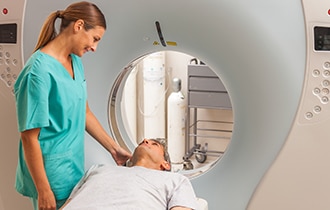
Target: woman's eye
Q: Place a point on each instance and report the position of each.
(96, 39)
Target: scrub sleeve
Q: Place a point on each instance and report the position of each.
(48, 98)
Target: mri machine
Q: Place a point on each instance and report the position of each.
(272, 57)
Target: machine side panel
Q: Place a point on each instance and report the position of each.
(300, 177)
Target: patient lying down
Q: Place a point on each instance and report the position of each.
(145, 185)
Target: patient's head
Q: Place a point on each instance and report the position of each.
(152, 153)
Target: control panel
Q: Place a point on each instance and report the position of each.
(11, 55)
(315, 105)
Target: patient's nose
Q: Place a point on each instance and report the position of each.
(146, 141)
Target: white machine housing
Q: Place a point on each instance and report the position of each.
(264, 52)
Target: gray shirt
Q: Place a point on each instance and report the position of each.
(128, 188)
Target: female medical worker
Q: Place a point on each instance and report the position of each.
(52, 108)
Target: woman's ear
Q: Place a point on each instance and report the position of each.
(78, 25)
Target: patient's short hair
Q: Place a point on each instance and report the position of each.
(163, 142)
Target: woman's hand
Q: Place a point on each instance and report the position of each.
(120, 155)
(46, 200)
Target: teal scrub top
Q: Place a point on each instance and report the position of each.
(47, 97)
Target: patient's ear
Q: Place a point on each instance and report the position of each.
(166, 166)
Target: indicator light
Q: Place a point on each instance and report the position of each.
(5, 11)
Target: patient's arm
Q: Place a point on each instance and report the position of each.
(180, 208)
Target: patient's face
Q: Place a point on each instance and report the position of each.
(150, 149)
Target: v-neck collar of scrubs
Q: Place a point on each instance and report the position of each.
(62, 67)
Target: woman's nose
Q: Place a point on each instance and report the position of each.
(93, 47)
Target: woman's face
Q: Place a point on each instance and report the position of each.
(87, 40)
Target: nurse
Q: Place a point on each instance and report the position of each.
(53, 111)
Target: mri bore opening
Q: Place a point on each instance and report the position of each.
(175, 96)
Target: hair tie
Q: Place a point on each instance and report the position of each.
(58, 14)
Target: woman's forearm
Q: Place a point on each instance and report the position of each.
(34, 160)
